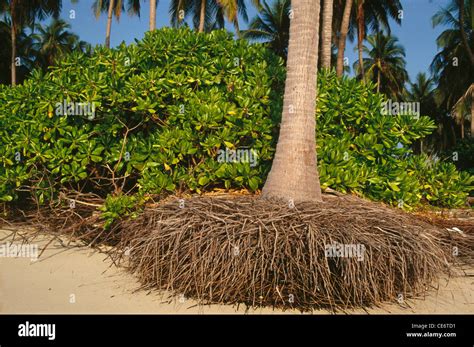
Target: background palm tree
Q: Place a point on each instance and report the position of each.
(373, 15)
(5, 50)
(233, 8)
(272, 24)
(53, 41)
(40, 48)
(385, 64)
(326, 35)
(114, 8)
(24, 13)
(451, 67)
(343, 32)
(422, 90)
(176, 8)
(294, 173)
(24, 51)
(202, 14)
(464, 5)
(153, 5)
(206, 14)
(463, 109)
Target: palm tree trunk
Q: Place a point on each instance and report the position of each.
(472, 113)
(463, 32)
(294, 173)
(109, 23)
(360, 36)
(342, 38)
(444, 140)
(378, 80)
(152, 15)
(326, 34)
(453, 135)
(237, 26)
(13, 39)
(202, 17)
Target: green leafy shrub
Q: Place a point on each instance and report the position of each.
(462, 155)
(440, 183)
(164, 107)
(360, 149)
(120, 206)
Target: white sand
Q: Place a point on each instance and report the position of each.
(82, 280)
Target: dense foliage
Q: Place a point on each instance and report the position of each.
(364, 150)
(163, 108)
(462, 155)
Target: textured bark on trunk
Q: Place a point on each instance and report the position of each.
(444, 140)
(13, 39)
(326, 34)
(202, 17)
(360, 35)
(462, 126)
(152, 15)
(343, 37)
(463, 32)
(294, 174)
(472, 114)
(237, 26)
(109, 23)
(378, 80)
(453, 136)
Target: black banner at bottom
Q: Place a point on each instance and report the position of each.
(135, 330)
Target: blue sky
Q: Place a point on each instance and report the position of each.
(416, 32)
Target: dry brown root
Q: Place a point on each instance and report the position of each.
(268, 253)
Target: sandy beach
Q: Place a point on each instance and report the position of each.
(84, 280)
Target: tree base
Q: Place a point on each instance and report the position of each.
(341, 253)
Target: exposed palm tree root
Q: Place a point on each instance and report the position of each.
(458, 235)
(268, 253)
